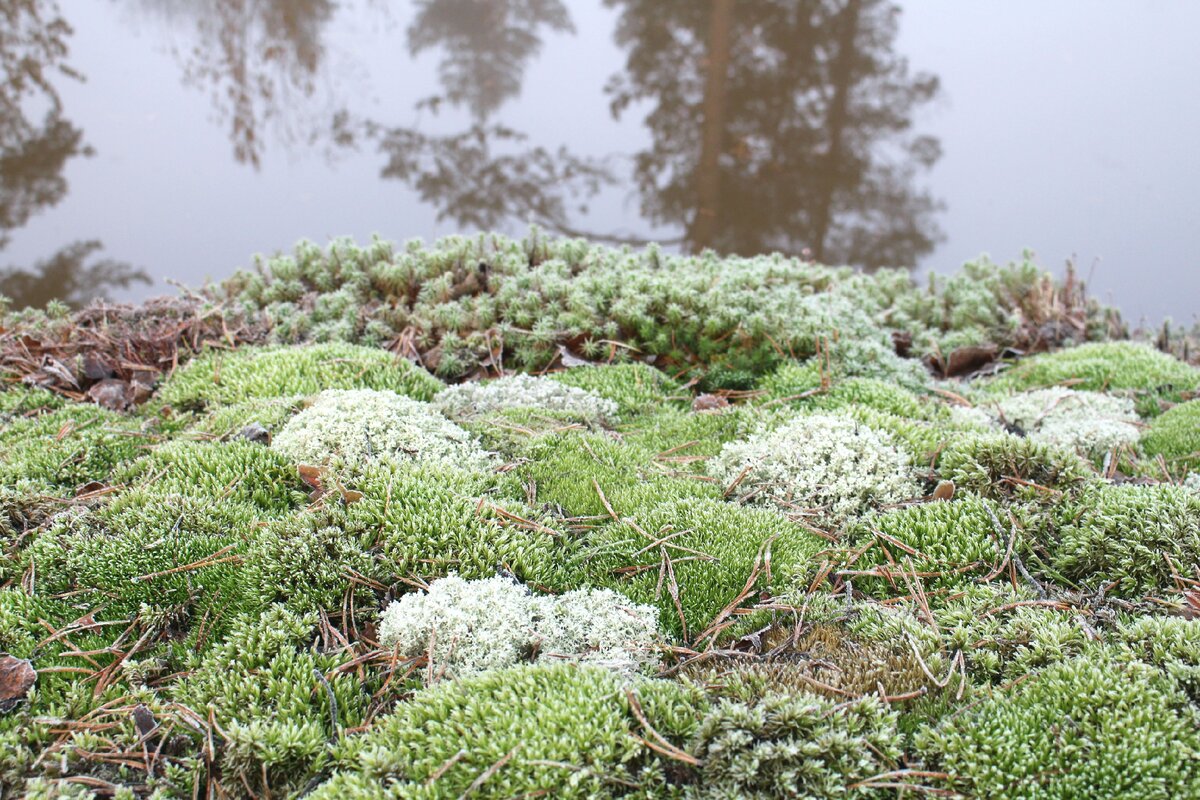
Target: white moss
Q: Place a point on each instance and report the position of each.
(524, 391)
(971, 418)
(1090, 423)
(360, 425)
(467, 626)
(598, 626)
(829, 467)
(471, 626)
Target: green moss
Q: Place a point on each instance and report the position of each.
(1002, 465)
(1176, 437)
(560, 730)
(565, 470)
(1123, 536)
(635, 388)
(799, 745)
(1088, 727)
(427, 523)
(131, 552)
(268, 690)
(1099, 367)
(308, 560)
(226, 421)
(793, 379)
(684, 440)
(941, 544)
(713, 553)
(1005, 633)
(256, 373)
(237, 471)
(67, 448)
(21, 401)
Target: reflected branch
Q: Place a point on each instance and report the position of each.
(66, 276)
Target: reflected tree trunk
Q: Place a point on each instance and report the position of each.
(842, 80)
(703, 228)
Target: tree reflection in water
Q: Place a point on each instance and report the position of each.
(257, 58)
(36, 142)
(775, 125)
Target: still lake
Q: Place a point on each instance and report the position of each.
(180, 137)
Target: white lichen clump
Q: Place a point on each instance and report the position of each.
(828, 468)
(1090, 423)
(360, 425)
(472, 626)
(524, 391)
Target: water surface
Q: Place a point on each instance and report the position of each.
(175, 138)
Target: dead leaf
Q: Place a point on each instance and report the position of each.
(963, 360)
(312, 478)
(111, 393)
(709, 402)
(17, 675)
(944, 490)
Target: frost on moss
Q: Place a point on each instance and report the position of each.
(1176, 437)
(255, 373)
(465, 627)
(1088, 727)
(557, 730)
(355, 426)
(826, 468)
(1100, 367)
(713, 549)
(1087, 422)
(794, 745)
(1002, 465)
(473, 399)
(1133, 538)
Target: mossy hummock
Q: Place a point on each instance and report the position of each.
(497, 518)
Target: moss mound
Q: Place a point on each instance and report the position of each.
(660, 527)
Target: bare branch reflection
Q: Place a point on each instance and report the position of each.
(36, 140)
(486, 45)
(70, 276)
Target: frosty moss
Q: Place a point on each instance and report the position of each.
(524, 391)
(359, 425)
(826, 468)
(1088, 422)
(471, 626)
